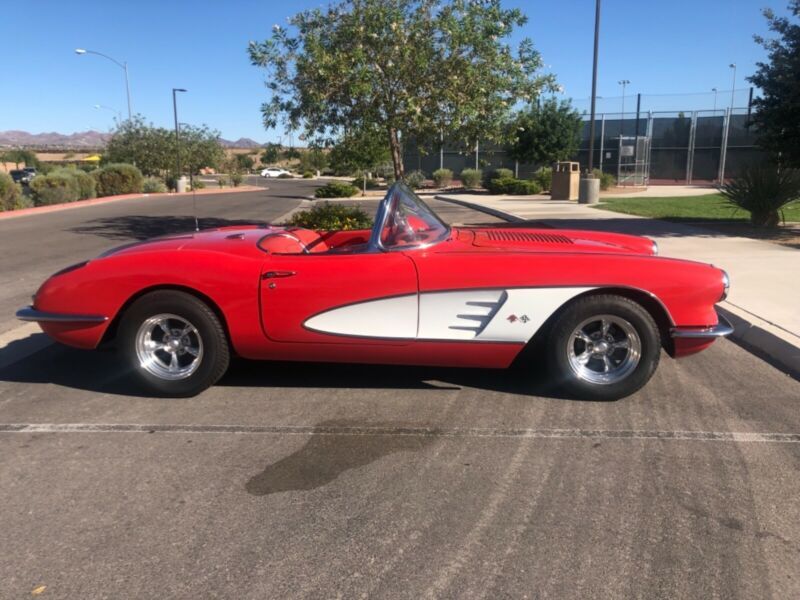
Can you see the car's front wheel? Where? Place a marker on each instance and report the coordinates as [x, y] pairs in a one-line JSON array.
[[603, 347], [174, 343]]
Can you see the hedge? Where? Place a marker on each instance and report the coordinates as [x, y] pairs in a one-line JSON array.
[[9, 192], [336, 189], [332, 217], [116, 179]]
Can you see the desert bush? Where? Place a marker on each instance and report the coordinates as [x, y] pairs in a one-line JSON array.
[[336, 189], [86, 183], [442, 177], [118, 178], [222, 181], [763, 190], [515, 187], [544, 177], [471, 178], [414, 179], [236, 179], [55, 188], [153, 185], [332, 217], [10, 192], [499, 173], [372, 184], [308, 175], [198, 185], [607, 180]]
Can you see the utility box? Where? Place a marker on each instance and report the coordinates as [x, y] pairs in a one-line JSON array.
[[566, 179]]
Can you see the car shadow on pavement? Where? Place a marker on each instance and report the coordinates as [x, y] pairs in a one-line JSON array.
[[101, 371], [143, 227]]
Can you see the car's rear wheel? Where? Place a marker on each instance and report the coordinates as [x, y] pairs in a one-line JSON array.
[[174, 343], [603, 347]]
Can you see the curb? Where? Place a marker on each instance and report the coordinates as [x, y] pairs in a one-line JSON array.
[[36, 210], [484, 209]]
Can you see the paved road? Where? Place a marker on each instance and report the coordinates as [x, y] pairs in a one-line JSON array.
[[296, 480]]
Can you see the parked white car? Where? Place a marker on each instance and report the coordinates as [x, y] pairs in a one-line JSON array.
[[274, 172]]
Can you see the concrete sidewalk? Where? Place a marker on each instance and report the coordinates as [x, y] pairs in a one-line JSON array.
[[763, 275]]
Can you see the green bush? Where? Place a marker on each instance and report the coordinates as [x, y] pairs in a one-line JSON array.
[[116, 179], [414, 179], [763, 191], [86, 183], [153, 185], [607, 180], [308, 175], [336, 189], [471, 178], [372, 184], [10, 192], [198, 185], [496, 174], [511, 186], [236, 179], [442, 178], [544, 177], [55, 188], [332, 217], [221, 182]]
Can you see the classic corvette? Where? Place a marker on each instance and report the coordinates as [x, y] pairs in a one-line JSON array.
[[598, 306]]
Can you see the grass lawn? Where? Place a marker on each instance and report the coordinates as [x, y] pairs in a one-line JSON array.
[[687, 209]]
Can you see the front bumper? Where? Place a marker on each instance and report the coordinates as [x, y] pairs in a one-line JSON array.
[[31, 314], [721, 329]]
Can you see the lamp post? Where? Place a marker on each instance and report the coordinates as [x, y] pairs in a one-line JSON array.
[[589, 187], [114, 110], [733, 83], [177, 134], [623, 83], [715, 98], [121, 65]]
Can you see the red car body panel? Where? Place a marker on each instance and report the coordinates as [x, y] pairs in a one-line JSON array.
[[266, 299]]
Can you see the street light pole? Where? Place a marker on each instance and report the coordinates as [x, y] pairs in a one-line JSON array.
[[114, 110], [594, 83], [623, 83], [715, 98], [733, 83], [121, 65], [177, 135]]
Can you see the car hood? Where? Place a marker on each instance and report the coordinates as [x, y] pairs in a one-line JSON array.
[[555, 240]]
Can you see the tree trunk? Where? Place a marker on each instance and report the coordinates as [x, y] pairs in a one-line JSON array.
[[397, 154]]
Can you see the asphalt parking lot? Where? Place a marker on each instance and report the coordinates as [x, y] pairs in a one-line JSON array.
[[309, 481]]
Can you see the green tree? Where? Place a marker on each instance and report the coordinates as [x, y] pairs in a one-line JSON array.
[[313, 159], [20, 156], [545, 133], [775, 112], [408, 67], [244, 162], [271, 154], [359, 150], [200, 148]]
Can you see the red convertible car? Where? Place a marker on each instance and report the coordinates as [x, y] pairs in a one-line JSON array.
[[413, 291]]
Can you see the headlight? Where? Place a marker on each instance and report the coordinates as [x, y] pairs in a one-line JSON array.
[[726, 285], [655, 247]]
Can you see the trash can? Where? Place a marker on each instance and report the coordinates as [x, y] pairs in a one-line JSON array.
[[566, 179], [181, 184]]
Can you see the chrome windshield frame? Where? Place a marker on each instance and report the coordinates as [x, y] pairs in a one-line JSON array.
[[375, 244]]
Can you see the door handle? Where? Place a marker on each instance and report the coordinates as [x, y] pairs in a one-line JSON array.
[[278, 274]]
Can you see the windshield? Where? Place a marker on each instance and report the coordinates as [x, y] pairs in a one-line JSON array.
[[405, 221]]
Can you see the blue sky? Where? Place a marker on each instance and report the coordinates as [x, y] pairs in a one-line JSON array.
[[675, 47]]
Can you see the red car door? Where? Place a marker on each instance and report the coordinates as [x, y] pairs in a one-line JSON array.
[[318, 298]]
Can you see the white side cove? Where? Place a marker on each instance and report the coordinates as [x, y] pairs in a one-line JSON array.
[[512, 315]]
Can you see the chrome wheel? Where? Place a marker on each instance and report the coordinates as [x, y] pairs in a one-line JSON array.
[[604, 349], [169, 347]]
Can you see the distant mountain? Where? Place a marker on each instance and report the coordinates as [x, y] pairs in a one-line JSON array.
[[84, 139]]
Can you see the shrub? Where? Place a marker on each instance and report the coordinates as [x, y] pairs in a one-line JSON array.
[[236, 179], [607, 180], [332, 217], [23, 201], [336, 189], [516, 187], [85, 183], [442, 177], [414, 179], [283, 176], [308, 175], [153, 185], [496, 174], [221, 182], [55, 188], [119, 178], [197, 184], [471, 178], [371, 183], [544, 177], [763, 191], [9, 192]]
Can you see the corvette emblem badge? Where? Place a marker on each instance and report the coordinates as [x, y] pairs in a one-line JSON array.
[[515, 318]]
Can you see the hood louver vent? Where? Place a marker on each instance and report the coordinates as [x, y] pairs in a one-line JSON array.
[[506, 235]]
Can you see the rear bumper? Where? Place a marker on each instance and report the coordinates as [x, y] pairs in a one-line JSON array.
[[721, 329], [31, 314]]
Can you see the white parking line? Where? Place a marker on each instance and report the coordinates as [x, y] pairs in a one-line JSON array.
[[452, 432]]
